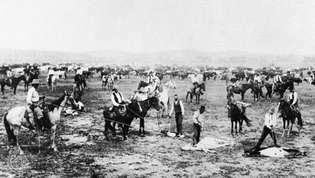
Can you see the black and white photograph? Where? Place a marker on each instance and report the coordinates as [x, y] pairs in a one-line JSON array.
[[157, 88]]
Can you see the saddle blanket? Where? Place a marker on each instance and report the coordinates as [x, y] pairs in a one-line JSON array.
[[277, 152]]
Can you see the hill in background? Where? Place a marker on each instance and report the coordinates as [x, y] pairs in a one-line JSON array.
[[179, 57]]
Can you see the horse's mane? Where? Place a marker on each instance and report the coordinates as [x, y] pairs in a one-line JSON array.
[[56, 103]]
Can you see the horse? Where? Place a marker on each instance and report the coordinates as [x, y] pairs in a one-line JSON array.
[[237, 116], [104, 81], [196, 91], [257, 90], [13, 84], [282, 87], [133, 110], [164, 97], [80, 81], [289, 115], [29, 76], [52, 82], [16, 118], [239, 90]]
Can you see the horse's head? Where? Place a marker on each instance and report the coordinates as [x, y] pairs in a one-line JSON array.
[[154, 102], [283, 106]]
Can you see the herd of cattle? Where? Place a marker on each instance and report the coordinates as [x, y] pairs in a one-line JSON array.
[[180, 72]]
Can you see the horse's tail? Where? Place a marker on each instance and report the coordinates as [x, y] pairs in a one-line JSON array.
[[9, 130], [299, 121]]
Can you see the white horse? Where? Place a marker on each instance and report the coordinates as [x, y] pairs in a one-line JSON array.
[[164, 96], [14, 119], [53, 83]]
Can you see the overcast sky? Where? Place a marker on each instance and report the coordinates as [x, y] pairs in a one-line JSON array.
[[268, 26]]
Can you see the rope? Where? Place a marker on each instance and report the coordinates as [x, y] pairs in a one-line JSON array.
[[117, 122]]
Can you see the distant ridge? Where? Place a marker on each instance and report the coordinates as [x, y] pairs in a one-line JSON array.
[[179, 57]]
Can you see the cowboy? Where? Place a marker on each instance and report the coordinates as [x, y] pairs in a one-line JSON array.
[[293, 99], [198, 120], [34, 112], [118, 101], [178, 107], [276, 81], [269, 125], [240, 104]]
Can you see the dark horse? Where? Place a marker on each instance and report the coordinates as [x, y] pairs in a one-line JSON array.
[[80, 81], [13, 83], [196, 91], [133, 110], [289, 115], [29, 76], [282, 87], [142, 84], [239, 90], [237, 115]]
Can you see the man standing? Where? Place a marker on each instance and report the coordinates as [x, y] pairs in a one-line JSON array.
[[198, 120], [32, 101], [178, 107], [269, 125]]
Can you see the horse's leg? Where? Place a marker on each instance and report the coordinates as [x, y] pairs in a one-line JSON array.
[[17, 140], [283, 133], [141, 131], [53, 138], [240, 126], [290, 128], [232, 125], [106, 130]]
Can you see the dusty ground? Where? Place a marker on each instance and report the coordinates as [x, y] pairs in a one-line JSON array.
[[83, 149]]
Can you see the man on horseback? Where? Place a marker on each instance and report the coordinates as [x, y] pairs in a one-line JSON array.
[[269, 125], [118, 101], [35, 114], [293, 100], [240, 104], [277, 80]]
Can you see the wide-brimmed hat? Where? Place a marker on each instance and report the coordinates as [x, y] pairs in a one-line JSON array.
[[35, 82]]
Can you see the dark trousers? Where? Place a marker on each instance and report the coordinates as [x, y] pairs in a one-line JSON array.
[[196, 136], [179, 123], [264, 134]]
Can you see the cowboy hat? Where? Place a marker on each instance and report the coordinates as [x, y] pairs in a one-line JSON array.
[[35, 82]]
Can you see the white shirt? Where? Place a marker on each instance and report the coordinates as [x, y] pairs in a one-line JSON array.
[[120, 99], [51, 72], [271, 120], [32, 96], [293, 96], [181, 107], [79, 71], [198, 118]]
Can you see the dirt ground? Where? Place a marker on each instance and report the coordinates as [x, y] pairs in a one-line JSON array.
[[83, 151]]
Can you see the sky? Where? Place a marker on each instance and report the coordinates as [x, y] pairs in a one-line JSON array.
[[263, 26]]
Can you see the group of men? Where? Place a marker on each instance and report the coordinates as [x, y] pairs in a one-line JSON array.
[[177, 107]]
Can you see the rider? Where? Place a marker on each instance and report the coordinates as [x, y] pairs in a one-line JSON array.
[[240, 104], [276, 81], [34, 112], [293, 98], [117, 100]]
